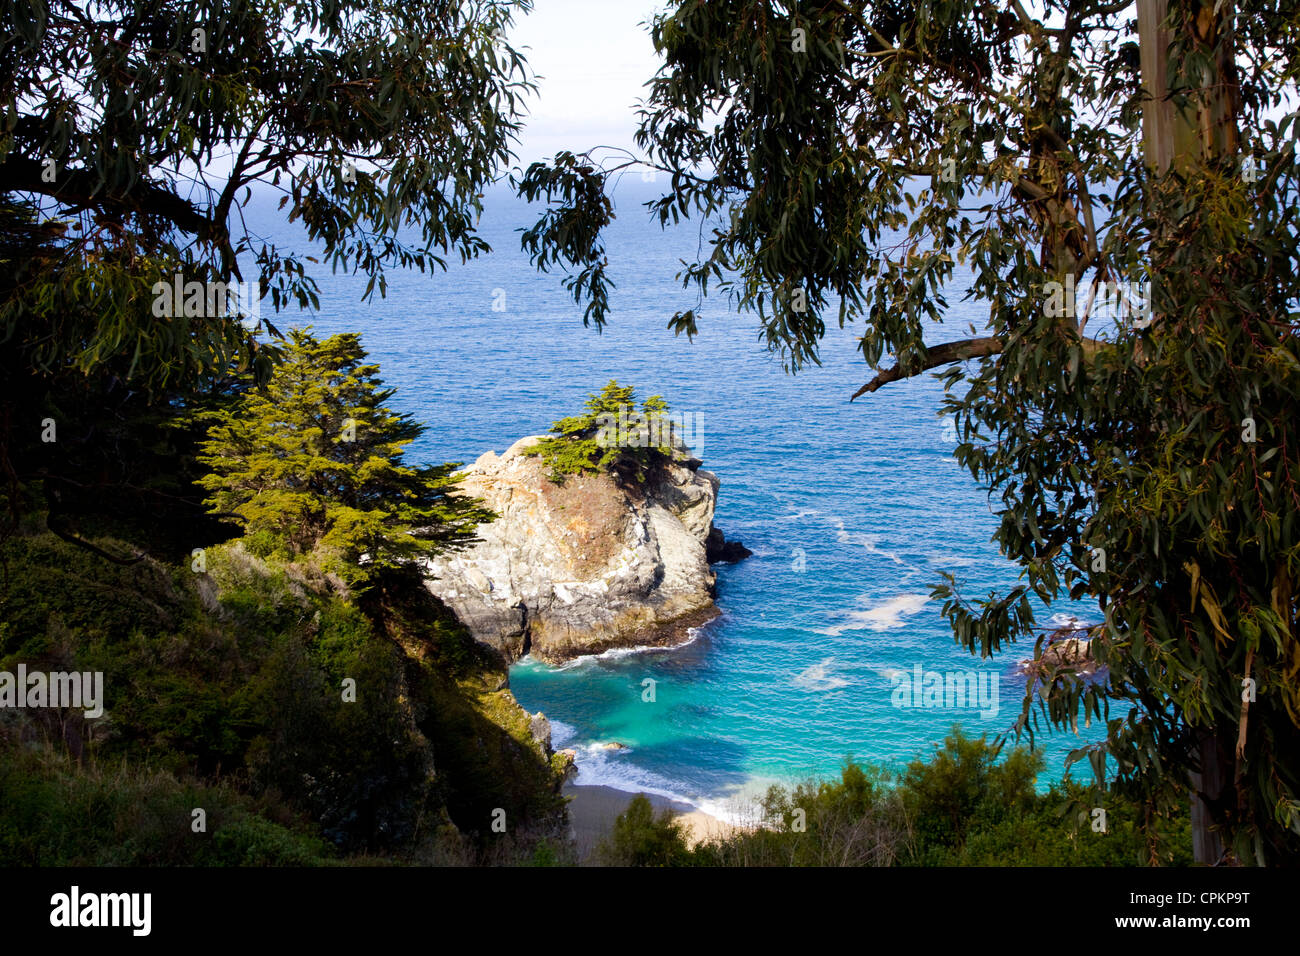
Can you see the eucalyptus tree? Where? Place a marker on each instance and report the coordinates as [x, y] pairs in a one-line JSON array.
[[145, 126], [141, 142], [1116, 183]]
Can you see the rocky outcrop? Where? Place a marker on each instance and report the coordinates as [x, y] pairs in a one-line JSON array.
[[1065, 655], [586, 565], [718, 550]]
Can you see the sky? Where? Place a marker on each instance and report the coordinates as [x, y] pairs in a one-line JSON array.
[[593, 58]]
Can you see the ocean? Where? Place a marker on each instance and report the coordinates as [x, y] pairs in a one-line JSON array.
[[852, 512]]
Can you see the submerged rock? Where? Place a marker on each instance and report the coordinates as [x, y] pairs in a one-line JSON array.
[[584, 566]]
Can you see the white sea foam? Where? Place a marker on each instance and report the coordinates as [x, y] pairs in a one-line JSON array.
[[1066, 620], [561, 733], [796, 517], [889, 615], [600, 766], [889, 673], [818, 677], [615, 653], [870, 542]]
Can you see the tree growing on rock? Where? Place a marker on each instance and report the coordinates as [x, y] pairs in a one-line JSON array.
[[611, 436]]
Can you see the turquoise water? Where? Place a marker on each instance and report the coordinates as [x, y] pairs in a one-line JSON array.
[[852, 511]]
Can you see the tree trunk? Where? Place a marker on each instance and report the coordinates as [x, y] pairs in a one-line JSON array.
[[1157, 111], [1179, 141], [1209, 791]]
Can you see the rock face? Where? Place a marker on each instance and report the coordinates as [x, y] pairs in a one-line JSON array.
[[584, 566]]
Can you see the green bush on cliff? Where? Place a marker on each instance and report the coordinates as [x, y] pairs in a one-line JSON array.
[[231, 679], [56, 813], [610, 436]]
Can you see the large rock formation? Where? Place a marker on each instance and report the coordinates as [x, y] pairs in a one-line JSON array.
[[584, 566]]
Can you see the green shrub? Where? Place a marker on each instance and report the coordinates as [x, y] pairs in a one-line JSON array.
[[640, 838], [962, 807], [56, 813], [254, 841]]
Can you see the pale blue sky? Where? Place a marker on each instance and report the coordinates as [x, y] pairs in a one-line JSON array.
[[594, 57]]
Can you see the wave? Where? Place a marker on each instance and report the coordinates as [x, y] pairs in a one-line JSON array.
[[615, 653], [599, 766], [561, 733]]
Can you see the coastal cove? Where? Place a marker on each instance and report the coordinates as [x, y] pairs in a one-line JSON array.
[[509, 435], [852, 511]]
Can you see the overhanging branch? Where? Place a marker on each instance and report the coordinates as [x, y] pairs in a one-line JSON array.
[[945, 354], [83, 190], [948, 353]]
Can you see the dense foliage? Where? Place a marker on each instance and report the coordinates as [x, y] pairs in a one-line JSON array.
[[311, 465], [962, 807], [137, 140], [640, 837], [228, 688], [301, 716], [1140, 441], [611, 436], [145, 127]]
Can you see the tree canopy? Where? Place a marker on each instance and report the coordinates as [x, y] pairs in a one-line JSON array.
[[1117, 183], [611, 435], [143, 128], [137, 136]]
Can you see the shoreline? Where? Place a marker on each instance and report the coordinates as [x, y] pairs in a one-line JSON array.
[[594, 807]]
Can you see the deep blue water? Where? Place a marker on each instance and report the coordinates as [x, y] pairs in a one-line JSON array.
[[852, 510]]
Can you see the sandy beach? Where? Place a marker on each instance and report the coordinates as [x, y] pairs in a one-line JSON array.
[[592, 811]]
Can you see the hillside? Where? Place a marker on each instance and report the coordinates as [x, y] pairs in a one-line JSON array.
[[225, 691]]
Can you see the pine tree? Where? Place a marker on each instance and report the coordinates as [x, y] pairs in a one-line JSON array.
[[312, 465]]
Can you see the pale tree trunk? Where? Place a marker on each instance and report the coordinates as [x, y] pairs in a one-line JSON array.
[[1176, 140]]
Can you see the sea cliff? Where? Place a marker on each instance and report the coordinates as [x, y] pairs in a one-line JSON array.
[[586, 564]]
